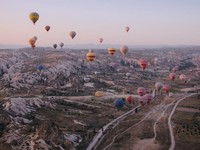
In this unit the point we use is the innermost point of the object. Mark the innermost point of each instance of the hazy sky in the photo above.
(151, 21)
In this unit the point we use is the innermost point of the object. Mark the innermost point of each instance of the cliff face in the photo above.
(51, 133)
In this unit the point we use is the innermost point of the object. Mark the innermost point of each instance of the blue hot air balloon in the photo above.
(40, 67)
(119, 103)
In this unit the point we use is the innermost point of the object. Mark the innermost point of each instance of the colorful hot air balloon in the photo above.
(33, 46)
(142, 63)
(34, 16)
(55, 46)
(111, 51)
(158, 86)
(124, 49)
(40, 67)
(47, 28)
(143, 100)
(35, 38)
(149, 98)
(90, 56)
(172, 76)
(72, 34)
(174, 69)
(32, 42)
(119, 103)
(166, 88)
(129, 99)
(182, 77)
(100, 40)
(141, 91)
(127, 28)
(98, 94)
(61, 44)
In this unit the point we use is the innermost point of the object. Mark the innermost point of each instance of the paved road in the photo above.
(172, 146)
(99, 135)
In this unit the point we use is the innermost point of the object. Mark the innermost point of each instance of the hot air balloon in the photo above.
(90, 56)
(149, 97)
(128, 74)
(111, 51)
(124, 49)
(98, 94)
(166, 88)
(119, 103)
(61, 44)
(72, 34)
(55, 46)
(142, 63)
(47, 28)
(35, 38)
(127, 28)
(32, 42)
(158, 86)
(40, 67)
(100, 40)
(143, 100)
(174, 69)
(34, 16)
(172, 76)
(141, 91)
(182, 77)
(86, 79)
(33, 46)
(129, 99)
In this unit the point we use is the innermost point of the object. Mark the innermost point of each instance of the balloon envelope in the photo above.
(55, 46)
(158, 86)
(124, 49)
(72, 34)
(61, 44)
(119, 103)
(127, 28)
(40, 67)
(141, 91)
(90, 56)
(47, 28)
(142, 63)
(100, 40)
(34, 16)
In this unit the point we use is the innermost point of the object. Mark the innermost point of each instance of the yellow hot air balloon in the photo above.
(124, 49)
(111, 51)
(98, 94)
(34, 16)
(31, 41)
(90, 56)
(72, 34)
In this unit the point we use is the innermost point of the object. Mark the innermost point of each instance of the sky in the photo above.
(151, 22)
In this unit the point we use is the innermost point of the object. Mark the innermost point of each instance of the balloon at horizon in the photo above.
(169, 22)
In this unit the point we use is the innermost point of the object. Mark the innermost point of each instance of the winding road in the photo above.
(172, 146)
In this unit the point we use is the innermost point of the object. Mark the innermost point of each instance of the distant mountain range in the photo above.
(101, 46)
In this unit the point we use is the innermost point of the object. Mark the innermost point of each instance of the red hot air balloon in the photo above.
(142, 63)
(172, 76)
(47, 28)
(166, 88)
(174, 69)
(143, 100)
(141, 91)
(129, 99)
(149, 97)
